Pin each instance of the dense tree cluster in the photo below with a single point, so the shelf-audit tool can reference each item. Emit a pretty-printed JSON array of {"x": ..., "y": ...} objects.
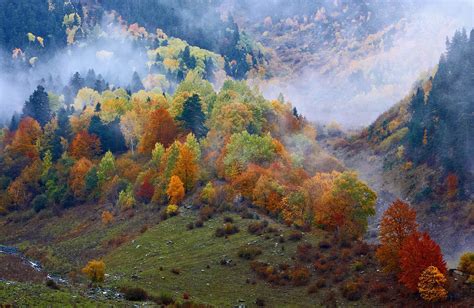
[
  {"x": 147, "y": 147},
  {"x": 434, "y": 126}
]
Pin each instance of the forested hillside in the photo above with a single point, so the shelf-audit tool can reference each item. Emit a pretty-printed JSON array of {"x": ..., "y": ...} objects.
[
  {"x": 140, "y": 161},
  {"x": 434, "y": 125}
]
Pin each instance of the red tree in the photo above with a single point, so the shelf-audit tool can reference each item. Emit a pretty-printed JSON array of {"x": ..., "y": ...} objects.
[
  {"x": 85, "y": 145},
  {"x": 146, "y": 190},
  {"x": 24, "y": 141},
  {"x": 398, "y": 222},
  {"x": 417, "y": 253},
  {"x": 159, "y": 128}
]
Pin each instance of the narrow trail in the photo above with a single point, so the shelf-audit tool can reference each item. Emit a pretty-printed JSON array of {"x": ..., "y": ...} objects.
[{"x": 369, "y": 167}]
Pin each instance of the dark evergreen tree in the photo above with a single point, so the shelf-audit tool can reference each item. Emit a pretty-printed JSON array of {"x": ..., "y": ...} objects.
[
  {"x": 110, "y": 135},
  {"x": 189, "y": 61},
  {"x": 90, "y": 79},
  {"x": 15, "y": 121},
  {"x": 37, "y": 106},
  {"x": 209, "y": 68},
  {"x": 136, "y": 84},
  {"x": 100, "y": 85},
  {"x": 64, "y": 127},
  {"x": 76, "y": 83},
  {"x": 193, "y": 118}
]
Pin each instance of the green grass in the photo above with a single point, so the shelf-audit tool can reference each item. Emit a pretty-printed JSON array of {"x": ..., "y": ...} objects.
[
  {"x": 37, "y": 295},
  {"x": 192, "y": 251}
]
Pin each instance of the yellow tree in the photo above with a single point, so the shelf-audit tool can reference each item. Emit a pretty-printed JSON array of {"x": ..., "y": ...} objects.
[
  {"x": 431, "y": 285},
  {"x": 175, "y": 190},
  {"x": 95, "y": 270},
  {"x": 186, "y": 167},
  {"x": 77, "y": 176}
]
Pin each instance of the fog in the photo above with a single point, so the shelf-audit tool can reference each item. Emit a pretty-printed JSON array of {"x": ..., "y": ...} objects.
[
  {"x": 358, "y": 89},
  {"x": 351, "y": 89},
  {"x": 109, "y": 52}
]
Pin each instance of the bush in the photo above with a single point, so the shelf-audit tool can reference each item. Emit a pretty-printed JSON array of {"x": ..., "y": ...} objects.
[
  {"x": 324, "y": 244},
  {"x": 260, "y": 302},
  {"x": 352, "y": 290},
  {"x": 466, "y": 265},
  {"x": 361, "y": 249},
  {"x": 377, "y": 287},
  {"x": 206, "y": 213},
  {"x": 134, "y": 294},
  {"x": 228, "y": 229},
  {"x": 164, "y": 299},
  {"x": 321, "y": 266},
  {"x": 295, "y": 236},
  {"x": 50, "y": 283},
  {"x": 304, "y": 252},
  {"x": 172, "y": 210},
  {"x": 249, "y": 252},
  {"x": 228, "y": 219},
  {"x": 257, "y": 227},
  {"x": 95, "y": 270},
  {"x": 320, "y": 283},
  {"x": 299, "y": 276},
  {"x": 199, "y": 223},
  {"x": 39, "y": 203},
  {"x": 357, "y": 266}
]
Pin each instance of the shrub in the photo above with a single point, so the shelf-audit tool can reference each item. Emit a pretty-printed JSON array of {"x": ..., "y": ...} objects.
[
  {"x": 106, "y": 217},
  {"x": 95, "y": 270},
  {"x": 220, "y": 232},
  {"x": 134, "y": 294},
  {"x": 339, "y": 274},
  {"x": 361, "y": 249},
  {"x": 50, "y": 283},
  {"x": 228, "y": 219},
  {"x": 320, "y": 283},
  {"x": 466, "y": 265},
  {"x": 230, "y": 228},
  {"x": 321, "y": 266},
  {"x": 257, "y": 227},
  {"x": 352, "y": 290},
  {"x": 378, "y": 287},
  {"x": 206, "y": 213},
  {"x": 260, "y": 302},
  {"x": 172, "y": 210},
  {"x": 431, "y": 285},
  {"x": 304, "y": 253},
  {"x": 357, "y": 266},
  {"x": 324, "y": 244},
  {"x": 295, "y": 236},
  {"x": 39, "y": 203},
  {"x": 164, "y": 299},
  {"x": 249, "y": 252},
  {"x": 299, "y": 276},
  {"x": 199, "y": 223},
  {"x": 312, "y": 289}
]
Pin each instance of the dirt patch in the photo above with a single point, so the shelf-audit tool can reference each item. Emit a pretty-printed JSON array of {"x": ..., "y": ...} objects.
[{"x": 16, "y": 269}]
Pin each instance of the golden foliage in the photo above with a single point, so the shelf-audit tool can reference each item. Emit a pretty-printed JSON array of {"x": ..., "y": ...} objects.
[
  {"x": 95, "y": 270},
  {"x": 431, "y": 285},
  {"x": 107, "y": 217},
  {"x": 175, "y": 190}
]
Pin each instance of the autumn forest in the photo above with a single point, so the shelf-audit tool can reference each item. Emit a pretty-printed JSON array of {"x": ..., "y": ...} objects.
[{"x": 150, "y": 155}]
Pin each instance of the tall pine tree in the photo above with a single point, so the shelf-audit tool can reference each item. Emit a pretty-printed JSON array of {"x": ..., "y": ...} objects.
[
  {"x": 193, "y": 118},
  {"x": 37, "y": 106}
]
